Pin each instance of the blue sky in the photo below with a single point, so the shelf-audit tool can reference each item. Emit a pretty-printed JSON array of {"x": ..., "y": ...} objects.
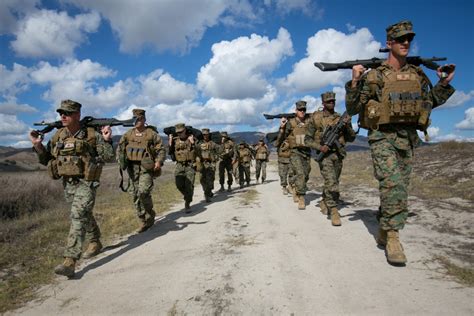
[{"x": 210, "y": 63}]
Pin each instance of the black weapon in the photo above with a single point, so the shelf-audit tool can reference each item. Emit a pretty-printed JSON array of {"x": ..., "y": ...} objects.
[
  {"x": 271, "y": 137},
  {"x": 87, "y": 121},
  {"x": 279, "y": 116},
  {"x": 171, "y": 130},
  {"x": 331, "y": 135}
]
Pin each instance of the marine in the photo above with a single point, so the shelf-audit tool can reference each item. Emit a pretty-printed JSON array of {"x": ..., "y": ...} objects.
[
  {"x": 394, "y": 101},
  {"x": 207, "y": 154},
  {"x": 244, "y": 159},
  {"x": 228, "y": 154},
  {"x": 262, "y": 154}
]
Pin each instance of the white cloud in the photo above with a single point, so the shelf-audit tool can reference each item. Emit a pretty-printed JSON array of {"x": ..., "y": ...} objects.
[
  {"x": 163, "y": 25},
  {"x": 11, "y": 128},
  {"x": 307, "y": 7},
  {"x": 160, "y": 87},
  {"x": 238, "y": 68},
  {"x": 12, "y": 108},
  {"x": 468, "y": 122},
  {"x": 329, "y": 46},
  {"x": 9, "y": 9},
  {"x": 13, "y": 81},
  {"x": 436, "y": 135},
  {"x": 458, "y": 98},
  {"x": 47, "y": 33}
]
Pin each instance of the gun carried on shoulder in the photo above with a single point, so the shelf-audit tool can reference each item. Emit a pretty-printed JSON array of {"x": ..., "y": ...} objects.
[
  {"x": 279, "y": 116},
  {"x": 87, "y": 121},
  {"x": 330, "y": 136},
  {"x": 376, "y": 62}
]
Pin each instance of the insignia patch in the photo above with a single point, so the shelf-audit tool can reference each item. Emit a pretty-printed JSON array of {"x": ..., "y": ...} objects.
[
  {"x": 69, "y": 145},
  {"x": 139, "y": 134},
  {"x": 403, "y": 77}
]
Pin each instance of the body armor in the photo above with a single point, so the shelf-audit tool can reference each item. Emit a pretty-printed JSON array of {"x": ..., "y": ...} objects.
[
  {"x": 401, "y": 100},
  {"x": 205, "y": 148},
  {"x": 284, "y": 150},
  {"x": 228, "y": 149},
  {"x": 298, "y": 132},
  {"x": 183, "y": 150},
  {"x": 262, "y": 153},
  {"x": 138, "y": 144},
  {"x": 244, "y": 155},
  {"x": 321, "y": 122}
]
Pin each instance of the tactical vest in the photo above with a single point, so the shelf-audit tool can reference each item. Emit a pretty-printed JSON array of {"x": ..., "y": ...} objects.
[
  {"x": 75, "y": 157},
  {"x": 297, "y": 134},
  {"x": 284, "y": 149},
  {"x": 244, "y": 155},
  {"x": 321, "y": 122},
  {"x": 183, "y": 150},
  {"x": 262, "y": 153},
  {"x": 138, "y": 144},
  {"x": 205, "y": 148},
  {"x": 228, "y": 149},
  {"x": 401, "y": 100}
]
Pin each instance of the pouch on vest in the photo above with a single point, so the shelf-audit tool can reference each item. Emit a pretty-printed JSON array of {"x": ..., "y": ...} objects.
[
  {"x": 147, "y": 163},
  {"x": 53, "y": 169},
  {"x": 92, "y": 170},
  {"x": 70, "y": 166}
]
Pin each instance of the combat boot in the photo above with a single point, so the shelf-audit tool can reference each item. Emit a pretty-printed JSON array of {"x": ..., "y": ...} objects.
[
  {"x": 295, "y": 196},
  {"x": 229, "y": 188},
  {"x": 301, "y": 202},
  {"x": 335, "y": 217},
  {"x": 187, "y": 207},
  {"x": 92, "y": 250},
  {"x": 222, "y": 188},
  {"x": 248, "y": 183},
  {"x": 66, "y": 268},
  {"x": 394, "y": 249},
  {"x": 284, "y": 190},
  {"x": 323, "y": 207},
  {"x": 143, "y": 227},
  {"x": 208, "y": 198},
  {"x": 381, "y": 238}
]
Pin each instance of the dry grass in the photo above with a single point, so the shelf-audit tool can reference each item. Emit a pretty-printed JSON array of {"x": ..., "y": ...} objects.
[
  {"x": 32, "y": 243},
  {"x": 462, "y": 275}
]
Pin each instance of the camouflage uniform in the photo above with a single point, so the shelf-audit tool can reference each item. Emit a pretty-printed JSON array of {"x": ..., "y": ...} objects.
[
  {"x": 331, "y": 164},
  {"x": 142, "y": 150},
  {"x": 207, "y": 152},
  {"x": 244, "y": 157},
  {"x": 261, "y": 159},
  {"x": 284, "y": 170},
  {"x": 228, "y": 153},
  {"x": 79, "y": 190},
  {"x": 392, "y": 144},
  {"x": 183, "y": 152}
]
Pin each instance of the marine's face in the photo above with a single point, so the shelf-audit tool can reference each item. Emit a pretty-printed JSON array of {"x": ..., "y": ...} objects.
[
  {"x": 69, "y": 118},
  {"x": 140, "y": 122},
  {"x": 300, "y": 113},
  {"x": 329, "y": 105},
  {"x": 401, "y": 45},
  {"x": 206, "y": 137}
]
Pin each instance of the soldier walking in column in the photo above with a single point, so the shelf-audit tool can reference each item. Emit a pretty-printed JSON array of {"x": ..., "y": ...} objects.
[
  {"x": 76, "y": 155},
  {"x": 261, "y": 158},
  {"x": 143, "y": 148},
  {"x": 244, "y": 158},
  {"x": 331, "y": 164},
  {"x": 207, "y": 154},
  {"x": 294, "y": 130},
  {"x": 228, "y": 155},
  {"x": 182, "y": 149},
  {"x": 393, "y": 102}
]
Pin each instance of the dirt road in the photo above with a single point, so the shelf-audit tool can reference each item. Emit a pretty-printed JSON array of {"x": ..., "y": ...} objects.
[{"x": 252, "y": 252}]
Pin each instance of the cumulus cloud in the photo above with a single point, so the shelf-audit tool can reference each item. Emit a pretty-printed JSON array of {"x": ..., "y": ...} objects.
[
  {"x": 458, "y": 98},
  {"x": 13, "y": 81},
  {"x": 238, "y": 69},
  {"x": 329, "y": 46},
  {"x": 47, "y": 33},
  {"x": 307, "y": 7},
  {"x": 468, "y": 122},
  {"x": 12, "y": 108},
  {"x": 12, "y": 129},
  {"x": 10, "y": 9},
  {"x": 163, "y": 25},
  {"x": 161, "y": 87}
]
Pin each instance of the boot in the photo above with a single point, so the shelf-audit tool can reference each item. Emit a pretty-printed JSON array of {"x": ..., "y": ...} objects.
[
  {"x": 263, "y": 180},
  {"x": 187, "y": 207},
  {"x": 301, "y": 202},
  {"x": 335, "y": 217},
  {"x": 208, "y": 198},
  {"x": 143, "y": 227},
  {"x": 222, "y": 188},
  {"x": 285, "y": 190},
  {"x": 323, "y": 207},
  {"x": 229, "y": 188},
  {"x": 248, "y": 183},
  {"x": 394, "y": 249},
  {"x": 92, "y": 250},
  {"x": 295, "y": 196},
  {"x": 66, "y": 268},
  {"x": 381, "y": 238}
]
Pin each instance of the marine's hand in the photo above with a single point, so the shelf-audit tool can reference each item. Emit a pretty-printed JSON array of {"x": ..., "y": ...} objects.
[
  {"x": 283, "y": 121},
  {"x": 446, "y": 70},
  {"x": 324, "y": 148},
  {"x": 35, "y": 137},
  {"x": 191, "y": 139},
  {"x": 106, "y": 133},
  {"x": 357, "y": 72},
  {"x": 170, "y": 140},
  {"x": 157, "y": 166}
]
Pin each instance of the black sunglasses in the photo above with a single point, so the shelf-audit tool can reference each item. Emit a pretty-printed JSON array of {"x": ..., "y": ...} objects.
[
  {"x": 404, "y": 38},
  {"x": 66, "y": 113},
  {"x": 302, "y": 110}
]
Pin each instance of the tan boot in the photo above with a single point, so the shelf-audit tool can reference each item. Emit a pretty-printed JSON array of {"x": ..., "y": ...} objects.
[
  {"x": 335, "y": 217},
  {"x": 92, "y": 250},
  {"x": 295, "y": 196},
  {"x": 66, "y": 268},
  {"x": 323, "y": 207},
  {"x": 381, "y": 238},
  {"x": 301, "y": 202},
  {"x": 394, "y": 249},
  {"x": 284, "y": 190}
]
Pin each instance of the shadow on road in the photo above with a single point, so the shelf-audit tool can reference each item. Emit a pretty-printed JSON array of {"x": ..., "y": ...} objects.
[{"x": 368, "y": 217}]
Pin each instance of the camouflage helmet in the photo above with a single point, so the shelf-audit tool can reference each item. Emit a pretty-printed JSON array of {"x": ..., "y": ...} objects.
[
  {"x": 300, "y": 105},
  {"x": 138, "y": 113},
  {"x": 399, "y": 29},
  {"x": 205, "y": 131},
  {"x": 69, "y": 106},
  {"x": 180, "y": 127},
  {"x": 328, "y": 96}
]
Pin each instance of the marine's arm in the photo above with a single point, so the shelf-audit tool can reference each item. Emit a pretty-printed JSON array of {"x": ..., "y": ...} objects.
[
  {"x": 310, "y": 137},
  {"x": 283, "y": 132},
  {"x": 158, "y": 150},
  {"x": 104, "y": 147}
]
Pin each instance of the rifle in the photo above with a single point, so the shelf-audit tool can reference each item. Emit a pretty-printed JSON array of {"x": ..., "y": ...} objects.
[
  {"x": 376, "y": 62},
  {"x": 171, "y": 130},
  {"x": 331, "y": 135},
  {"x": 287, "y": 115},
  {"x": 87, "y": 121}
]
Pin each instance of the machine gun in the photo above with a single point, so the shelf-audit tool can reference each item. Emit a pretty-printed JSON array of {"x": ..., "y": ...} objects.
[
  {"x": 216, "y": 137},
  {"x": 376, "y": 62},
  {"x": 87, "y": 121},
  {"x": 279, "y": 116},
  {"x": 331, "y": 135}
]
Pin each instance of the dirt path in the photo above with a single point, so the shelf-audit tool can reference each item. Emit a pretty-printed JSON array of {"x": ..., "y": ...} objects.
[{"x": 252, "y": 252}]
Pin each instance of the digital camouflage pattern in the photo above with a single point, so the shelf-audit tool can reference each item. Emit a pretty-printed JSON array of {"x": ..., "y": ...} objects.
[
  {"x": 261, "y": 164},
  {"x": 81, "y": 195},
  {"x": 392, "y": 145},
  {"x": 208, "y": 165},
  {"x": 184, "y": 175},
  {"x": 225, "y": 165},
  {"x": 244, "y": 158},
  {"x": 399, "y": 29}
]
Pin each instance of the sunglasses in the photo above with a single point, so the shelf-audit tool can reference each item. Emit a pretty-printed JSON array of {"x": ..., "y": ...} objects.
[
  {"x": 404, "y": 38},
  {"x": 65, "y": 113},
  {"x": 302, "y": 110}
]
